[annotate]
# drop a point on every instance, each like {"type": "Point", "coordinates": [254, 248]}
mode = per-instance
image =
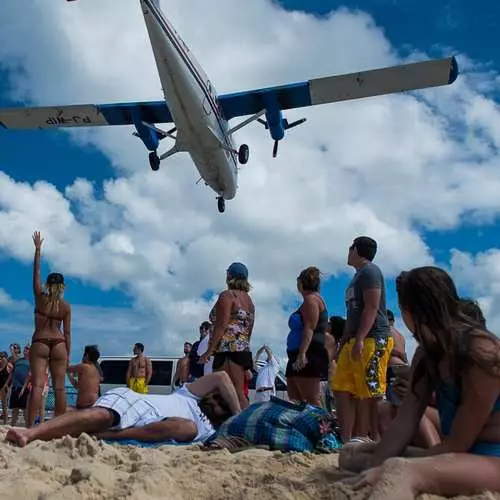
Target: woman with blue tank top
{"type": "Point", "coordinates": [458, 360]}
{"type": "Point", "coordinates": [307, 355]}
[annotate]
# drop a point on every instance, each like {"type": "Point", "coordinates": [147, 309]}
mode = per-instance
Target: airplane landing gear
{"type": "Point", "coordinates": [221, 204]}
{"type": "Point", "coordinates": [243, 154]}
{"type": "Point", "coordinates": [154, 161]}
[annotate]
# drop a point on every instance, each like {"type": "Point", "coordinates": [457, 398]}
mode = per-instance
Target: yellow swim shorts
{"type": "Point", "coordinates": [138, 385]}
{"type": "Point", "coordinates": [366, 377]}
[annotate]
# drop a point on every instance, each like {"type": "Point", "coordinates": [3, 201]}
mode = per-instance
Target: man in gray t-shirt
{"type": "Point", "coordinates": [369, 277]}
{"type": "Point", "coordinates": [366, 344]}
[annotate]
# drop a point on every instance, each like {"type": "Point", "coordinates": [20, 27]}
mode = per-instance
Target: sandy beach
{"type": "Point", "coordinates": [83, 469]}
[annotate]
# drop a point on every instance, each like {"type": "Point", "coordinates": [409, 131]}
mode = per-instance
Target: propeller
{"type": "Point", "coordinates": [293, 124]}
{"type": "Point", "coordinates": [286, 126]}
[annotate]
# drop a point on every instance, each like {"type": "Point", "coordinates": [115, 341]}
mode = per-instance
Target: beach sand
{"type": "Point", "coordinates": [67, 469]}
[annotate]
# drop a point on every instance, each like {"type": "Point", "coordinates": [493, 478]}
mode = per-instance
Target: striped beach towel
{"type": "Point", "coordinates": [284, 426]}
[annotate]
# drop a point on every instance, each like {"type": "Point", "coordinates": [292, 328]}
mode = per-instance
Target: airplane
{"type": "Point", "coordinates": [201, 118]}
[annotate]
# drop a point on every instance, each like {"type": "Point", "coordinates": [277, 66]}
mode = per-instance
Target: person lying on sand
{"type": "Point", "coordinates": [458, 359]}
{"type": "Point", "coordinates": [86, 378]}
{"type": "Point", "coordinates": [190, 414]}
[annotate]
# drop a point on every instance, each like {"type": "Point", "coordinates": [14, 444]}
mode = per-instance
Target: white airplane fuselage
{"type": "Point", "coordinates": [192, 102]}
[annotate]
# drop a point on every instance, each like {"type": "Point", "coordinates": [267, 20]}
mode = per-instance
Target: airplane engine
{"type": "Point", "coordinates": [150, 137]}
{"type": "Point", "coordinates": [277, 125]}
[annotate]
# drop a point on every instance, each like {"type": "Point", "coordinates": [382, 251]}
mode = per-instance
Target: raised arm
{"type": "Point", "coordinates": [217, 382]}
{"type": "Point", "coordinates": [259, 352]}
{"type": "Point", "coordinates": [269, 353]}
{"type": "Point", "coordinates": [37, 285]}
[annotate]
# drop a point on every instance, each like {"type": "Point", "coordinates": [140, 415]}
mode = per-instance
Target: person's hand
{"type": "Point", "coordinates": [357, 350]}
{"type": "Point", "coordinates": [300, 362]}
{"type": "Point", "coordinates": [205, 358]}
{"type": "Point", "coordinates": [37, 240]}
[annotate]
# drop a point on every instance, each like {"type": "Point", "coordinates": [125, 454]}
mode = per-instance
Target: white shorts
{"type": "Point", "coordinates": [133, 409]}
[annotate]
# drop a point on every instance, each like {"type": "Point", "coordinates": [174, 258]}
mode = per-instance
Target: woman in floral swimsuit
{"type": "Point", "coordinates": [233, 316]}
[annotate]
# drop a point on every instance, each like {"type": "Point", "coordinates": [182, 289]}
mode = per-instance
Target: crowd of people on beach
{"type": "Point", "coordinates": [431, 420]}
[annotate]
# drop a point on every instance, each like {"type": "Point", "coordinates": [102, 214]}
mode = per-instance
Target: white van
{"type": "Point", "coordinates": [114, 370]}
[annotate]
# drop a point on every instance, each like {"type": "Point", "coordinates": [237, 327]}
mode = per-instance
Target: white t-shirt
{"type": "Point", "coordinates": [183, 404]}
{"type": "Point", "coordinates": [202, 349]}
{"type": "Point", "coordinates": [267, 374]}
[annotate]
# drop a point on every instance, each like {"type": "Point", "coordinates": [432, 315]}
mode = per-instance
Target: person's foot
{"type": "Point", "coordinates": [18, 437]}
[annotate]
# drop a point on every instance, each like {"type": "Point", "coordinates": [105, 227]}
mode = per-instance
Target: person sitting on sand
{"type": "Point", "coordinates": [139, 371]}
{"type": "Point", "coordinates": [190, 414]}
{"type": "Point", "coordinates": [458, 359]}
{"type": "Point", "coordinates": [428, 433]}
{"type": "Point", "coordinates": [86, 378]}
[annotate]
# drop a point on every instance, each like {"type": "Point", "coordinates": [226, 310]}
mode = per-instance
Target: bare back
{"type": "Point", "coordinates": [49, 317]}
{"type": "Point", "coordinates": [89, 381]}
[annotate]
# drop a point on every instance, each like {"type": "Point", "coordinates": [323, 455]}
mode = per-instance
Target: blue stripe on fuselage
{"type": "Point", "coordinates": [173, 39]}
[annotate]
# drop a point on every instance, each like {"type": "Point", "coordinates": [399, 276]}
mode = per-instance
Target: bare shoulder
{"type": "Point", "coordinates": [66, 306]}
{"type": "Point", "coordinates": [313, 301]}
{"type": "Point", "coordinates": [225, 296]}
{"type": "Point", "coordinates": [248, 300]}
{"type": "Point", "coordinates": [485, 348]}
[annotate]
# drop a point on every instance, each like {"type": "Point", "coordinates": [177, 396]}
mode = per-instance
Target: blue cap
{"type": "Point", "coordinates": [237, 270]}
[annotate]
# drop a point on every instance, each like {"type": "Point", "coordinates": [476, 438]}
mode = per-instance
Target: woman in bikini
{"type": "Point", "coordinates": [233, 316]}
{"type": "Point", "coordinates": [49, 345]}
{"type": "Point", "coordinates": [457, 360]}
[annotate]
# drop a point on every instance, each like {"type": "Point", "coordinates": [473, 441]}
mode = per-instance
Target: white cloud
{"type": "Point", "coordinates": [480, 274]}
{"type": "Point", "coordinates": [5, 298]}
{"type": "Point", "coordinates": [388, 166]}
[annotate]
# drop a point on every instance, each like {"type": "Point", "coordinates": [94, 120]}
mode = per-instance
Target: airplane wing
{"type": "Point", "coordinates": [84, 115]}
{"type": "Point", "coordinates": [342, 87]}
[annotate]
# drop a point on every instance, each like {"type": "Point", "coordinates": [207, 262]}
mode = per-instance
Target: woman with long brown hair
{"type": "Point", "coordinates": [49, 345]}
{"type": "Point", "coordinates": [233, 318]}
{"type": "Point", "coordinates": [307, 355]}
{"type": "Point", "coordinates": [458, 360]}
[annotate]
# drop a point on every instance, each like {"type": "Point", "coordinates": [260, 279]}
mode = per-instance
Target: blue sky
{"type": "Point", "coordinates": [30, 156]}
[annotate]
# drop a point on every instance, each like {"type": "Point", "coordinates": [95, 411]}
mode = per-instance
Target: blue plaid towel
{"type": "Point", "coordinates": [284, 426]}
{"type": "Point", "coordinates": [144, 444]}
